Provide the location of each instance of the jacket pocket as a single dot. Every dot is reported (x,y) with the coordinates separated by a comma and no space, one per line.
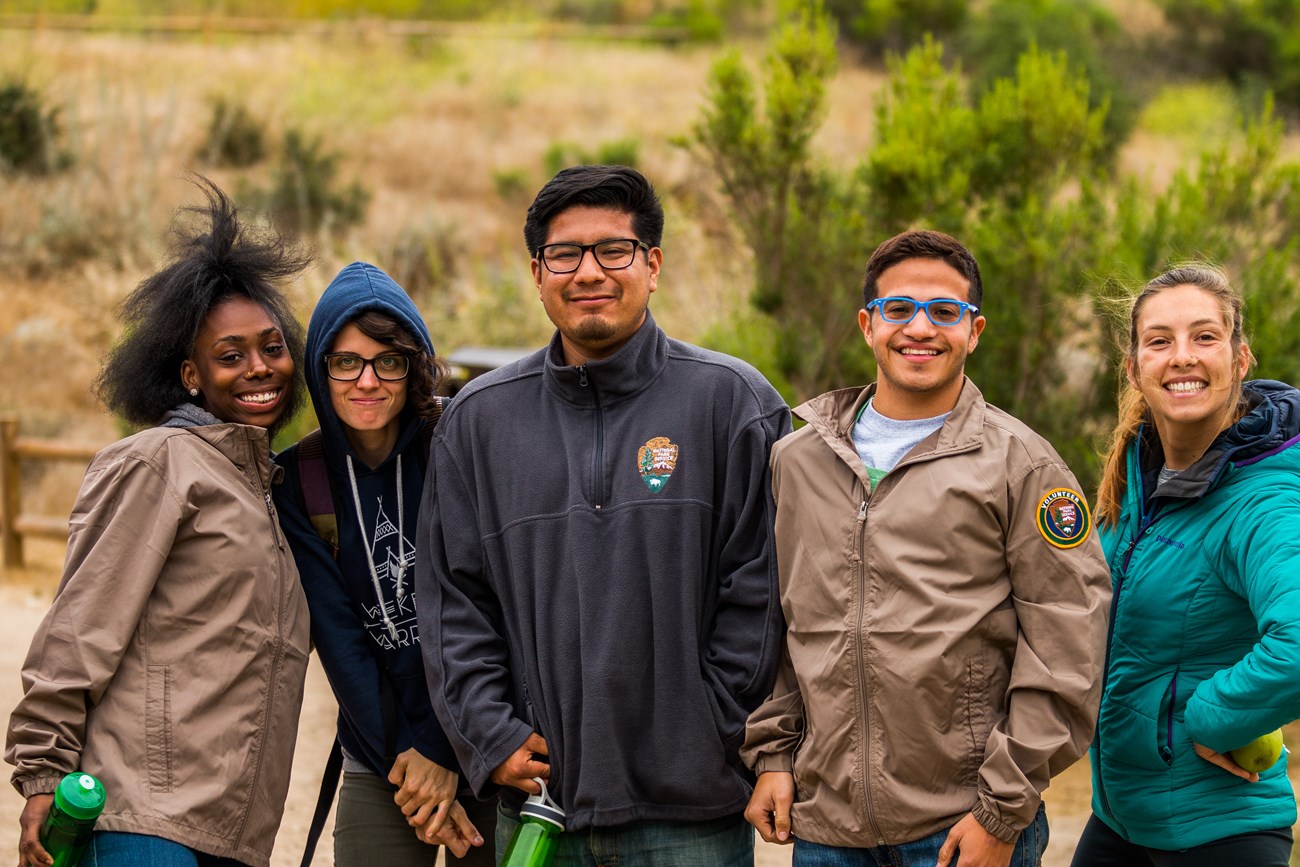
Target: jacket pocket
(1134,730)
(1165,728)
(977,720)
(158,727)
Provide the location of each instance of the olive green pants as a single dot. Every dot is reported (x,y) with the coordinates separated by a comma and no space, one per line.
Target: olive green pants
(369,829)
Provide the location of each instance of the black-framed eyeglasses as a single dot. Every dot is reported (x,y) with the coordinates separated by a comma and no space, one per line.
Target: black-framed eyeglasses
(348,366)
(940,311)
(612,255)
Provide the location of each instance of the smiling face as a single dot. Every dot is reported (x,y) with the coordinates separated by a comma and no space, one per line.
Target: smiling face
(240,364)
(368,405)
(1185,364)
(920,364)
(596,310)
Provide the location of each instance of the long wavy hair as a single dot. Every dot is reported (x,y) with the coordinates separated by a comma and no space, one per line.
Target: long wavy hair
(1133,409)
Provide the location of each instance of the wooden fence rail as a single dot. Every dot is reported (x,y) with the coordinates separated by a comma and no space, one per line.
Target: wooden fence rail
(14,449)
(209,25)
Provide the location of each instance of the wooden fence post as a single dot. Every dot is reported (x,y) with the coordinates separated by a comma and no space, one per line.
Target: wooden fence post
(10,492)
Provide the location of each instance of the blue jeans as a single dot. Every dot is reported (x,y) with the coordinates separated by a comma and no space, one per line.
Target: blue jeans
(118,849)
(725,842)
(918,853)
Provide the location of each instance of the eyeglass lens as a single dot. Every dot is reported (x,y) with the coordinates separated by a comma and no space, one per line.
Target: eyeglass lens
(941,311)
(564,258)
(347,367)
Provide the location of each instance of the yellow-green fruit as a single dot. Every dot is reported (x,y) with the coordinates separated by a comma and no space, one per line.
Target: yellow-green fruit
(1260,754)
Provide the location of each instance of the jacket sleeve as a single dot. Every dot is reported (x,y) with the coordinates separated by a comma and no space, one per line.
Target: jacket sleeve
(743,646)
(121,532)
(774,729)
(1061,597)
(345,648)
(467,660)
(1261,692)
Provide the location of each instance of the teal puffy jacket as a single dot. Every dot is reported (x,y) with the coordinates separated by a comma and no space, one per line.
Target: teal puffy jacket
(1204,642)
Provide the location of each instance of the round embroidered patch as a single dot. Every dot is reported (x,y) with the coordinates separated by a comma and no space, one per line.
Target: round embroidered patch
(1063,518)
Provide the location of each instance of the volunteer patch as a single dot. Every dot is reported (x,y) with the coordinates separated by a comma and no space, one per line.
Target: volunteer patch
(1063,518)
(656,461)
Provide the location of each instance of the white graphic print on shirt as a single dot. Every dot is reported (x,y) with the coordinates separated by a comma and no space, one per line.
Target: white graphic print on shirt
(392,560)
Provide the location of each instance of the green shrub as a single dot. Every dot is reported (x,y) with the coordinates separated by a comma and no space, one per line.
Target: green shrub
(28,131)
(562,154)
(423,261)
(1254,43)
(511,183)
(234,137)
(885,26)
(306,193)
(1086,33)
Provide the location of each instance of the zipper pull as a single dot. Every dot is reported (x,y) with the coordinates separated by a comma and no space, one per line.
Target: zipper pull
(582,375)
(862,512)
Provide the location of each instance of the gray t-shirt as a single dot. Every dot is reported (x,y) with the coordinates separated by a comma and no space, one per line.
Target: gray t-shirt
(882,442)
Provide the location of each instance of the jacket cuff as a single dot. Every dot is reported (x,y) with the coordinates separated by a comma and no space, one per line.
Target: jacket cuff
(991,822)
(45,784)
(783,762)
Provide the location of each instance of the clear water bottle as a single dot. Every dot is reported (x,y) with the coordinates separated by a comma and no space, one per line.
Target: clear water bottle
(78,801)
(541,821)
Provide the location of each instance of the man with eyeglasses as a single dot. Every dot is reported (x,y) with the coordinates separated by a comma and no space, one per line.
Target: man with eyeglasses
(601,612)
(945,596)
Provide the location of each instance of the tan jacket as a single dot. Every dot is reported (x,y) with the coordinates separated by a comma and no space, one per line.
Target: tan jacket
(171,663)
(943,655)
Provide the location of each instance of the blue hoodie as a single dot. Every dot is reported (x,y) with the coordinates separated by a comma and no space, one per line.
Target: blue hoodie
(365,634)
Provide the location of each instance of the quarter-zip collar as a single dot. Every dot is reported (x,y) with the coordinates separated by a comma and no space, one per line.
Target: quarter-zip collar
(632,368)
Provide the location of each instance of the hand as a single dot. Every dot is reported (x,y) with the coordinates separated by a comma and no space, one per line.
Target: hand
(30,850)
(769,807)
(974,846)
(457,833)
(1226,763)
(425,789)
(518,770)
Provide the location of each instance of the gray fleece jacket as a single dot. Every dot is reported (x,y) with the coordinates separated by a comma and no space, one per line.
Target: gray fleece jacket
(595,564)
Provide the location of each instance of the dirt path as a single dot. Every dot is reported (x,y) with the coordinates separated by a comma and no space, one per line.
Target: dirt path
(24,596)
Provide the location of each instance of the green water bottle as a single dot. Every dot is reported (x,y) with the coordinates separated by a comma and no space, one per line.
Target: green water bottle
(541,821)
(78,801)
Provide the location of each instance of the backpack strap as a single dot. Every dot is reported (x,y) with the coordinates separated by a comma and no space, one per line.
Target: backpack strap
(328,785)
(314,481)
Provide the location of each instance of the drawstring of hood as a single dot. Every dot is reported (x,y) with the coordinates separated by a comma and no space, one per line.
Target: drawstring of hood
(370,556)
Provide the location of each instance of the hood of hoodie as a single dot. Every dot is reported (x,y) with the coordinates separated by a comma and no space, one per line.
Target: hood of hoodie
(358,288)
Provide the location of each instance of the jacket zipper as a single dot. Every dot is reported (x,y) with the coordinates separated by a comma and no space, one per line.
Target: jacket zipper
(861,549)
(1167,751)
(282,606)
(1143,525)
(599,474)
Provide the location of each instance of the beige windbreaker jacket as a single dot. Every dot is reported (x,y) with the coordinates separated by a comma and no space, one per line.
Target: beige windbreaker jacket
(171,663)
(946,632)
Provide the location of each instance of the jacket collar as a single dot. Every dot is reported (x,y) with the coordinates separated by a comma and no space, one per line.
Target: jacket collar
(1271,423)
(633,367)
(833,415)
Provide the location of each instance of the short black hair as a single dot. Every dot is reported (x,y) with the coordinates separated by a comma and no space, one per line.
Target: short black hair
(211,262)
(617,187)
(923,244)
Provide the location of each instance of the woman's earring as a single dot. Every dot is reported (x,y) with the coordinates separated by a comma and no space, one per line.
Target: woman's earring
(194,392)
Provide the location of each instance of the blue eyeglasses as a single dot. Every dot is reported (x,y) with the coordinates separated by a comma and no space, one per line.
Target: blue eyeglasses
(940,311)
